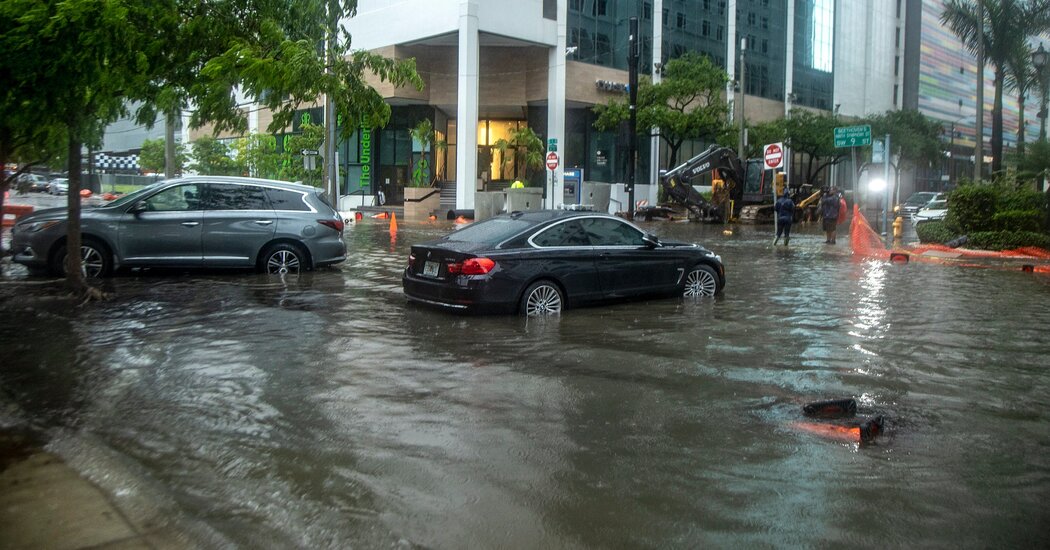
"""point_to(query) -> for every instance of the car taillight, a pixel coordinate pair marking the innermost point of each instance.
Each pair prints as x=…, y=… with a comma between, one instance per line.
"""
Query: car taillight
x=473, y=266
x=334, y=224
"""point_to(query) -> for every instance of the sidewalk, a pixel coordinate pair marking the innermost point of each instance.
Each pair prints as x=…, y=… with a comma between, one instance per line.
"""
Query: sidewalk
x=46, y=504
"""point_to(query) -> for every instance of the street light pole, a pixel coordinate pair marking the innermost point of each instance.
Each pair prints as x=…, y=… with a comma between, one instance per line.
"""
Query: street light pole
x=740, y=101
x=1039, y=59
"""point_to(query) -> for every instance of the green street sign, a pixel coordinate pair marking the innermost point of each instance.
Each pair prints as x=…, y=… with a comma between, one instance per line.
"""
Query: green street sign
x=853, y=136
x=552, y=144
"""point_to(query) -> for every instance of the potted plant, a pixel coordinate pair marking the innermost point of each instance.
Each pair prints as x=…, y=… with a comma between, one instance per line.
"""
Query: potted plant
x=527, y=153
x=421, y=197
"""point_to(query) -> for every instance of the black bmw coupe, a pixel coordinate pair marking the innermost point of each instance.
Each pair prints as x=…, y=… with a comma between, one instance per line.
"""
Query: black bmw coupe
x=537, y=263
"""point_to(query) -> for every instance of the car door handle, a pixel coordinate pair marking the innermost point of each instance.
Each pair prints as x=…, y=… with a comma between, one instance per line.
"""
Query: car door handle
x=264, y=222
x=191, y=224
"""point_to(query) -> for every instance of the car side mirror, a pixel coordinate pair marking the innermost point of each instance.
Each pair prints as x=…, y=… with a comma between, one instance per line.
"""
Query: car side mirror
x=650, y=240
x=137, y=208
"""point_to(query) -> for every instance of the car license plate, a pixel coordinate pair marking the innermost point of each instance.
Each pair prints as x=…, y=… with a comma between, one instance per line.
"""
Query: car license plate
x=430, y=269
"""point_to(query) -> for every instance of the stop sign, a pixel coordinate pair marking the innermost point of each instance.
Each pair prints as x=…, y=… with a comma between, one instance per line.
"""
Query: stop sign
x=774, y=155
x=552, y=160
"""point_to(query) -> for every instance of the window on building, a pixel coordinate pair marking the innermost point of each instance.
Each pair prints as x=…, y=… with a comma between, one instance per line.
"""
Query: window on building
x=765, y=45
x=751, y=19
x=705, y=28
x=647, y=11
x=720, y=33
x=550, y=9
x=707, y=4
x=897, y=40
x=896, y=65
x=680, y=23
x=765, y=22
x=576, y=5
x=599, y=8
x=603, y=49
x=666, y=13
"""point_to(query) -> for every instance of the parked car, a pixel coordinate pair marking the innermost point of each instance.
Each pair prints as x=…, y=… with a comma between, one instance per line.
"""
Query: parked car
x=58, y=186
x=199, y=221
x=934, y=210
x=537, y=263
x=916, y=201
x=36, y=182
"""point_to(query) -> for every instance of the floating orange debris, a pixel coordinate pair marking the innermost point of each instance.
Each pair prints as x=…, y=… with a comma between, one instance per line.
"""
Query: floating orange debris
x=381, y=215
x=830, y=431
x=461, y=219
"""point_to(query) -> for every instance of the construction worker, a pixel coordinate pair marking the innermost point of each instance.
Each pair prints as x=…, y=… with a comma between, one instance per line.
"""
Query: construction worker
x=829, y=211
x=785, y=212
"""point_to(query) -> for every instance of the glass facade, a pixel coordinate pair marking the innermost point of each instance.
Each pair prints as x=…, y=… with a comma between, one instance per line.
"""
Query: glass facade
x=813, y=82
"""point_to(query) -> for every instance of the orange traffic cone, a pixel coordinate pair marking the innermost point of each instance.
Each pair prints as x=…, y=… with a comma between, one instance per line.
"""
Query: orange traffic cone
x=393, y=224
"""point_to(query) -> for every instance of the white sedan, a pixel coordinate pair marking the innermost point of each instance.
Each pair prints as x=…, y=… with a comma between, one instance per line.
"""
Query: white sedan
x=934, y=210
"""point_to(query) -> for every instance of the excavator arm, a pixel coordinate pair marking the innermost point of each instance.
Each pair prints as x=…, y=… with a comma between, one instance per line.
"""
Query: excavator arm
x=677, y=182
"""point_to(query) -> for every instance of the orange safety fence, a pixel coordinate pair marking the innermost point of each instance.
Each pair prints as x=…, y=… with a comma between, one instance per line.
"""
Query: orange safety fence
x=867, y=243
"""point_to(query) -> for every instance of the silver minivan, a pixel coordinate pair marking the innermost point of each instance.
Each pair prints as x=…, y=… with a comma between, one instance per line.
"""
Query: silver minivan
x=197, y=221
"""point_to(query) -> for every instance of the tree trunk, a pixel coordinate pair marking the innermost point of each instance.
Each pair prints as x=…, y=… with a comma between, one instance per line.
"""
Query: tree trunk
x=169, y=145
x=74, y=275
x=997, y=123
x=1020, y=122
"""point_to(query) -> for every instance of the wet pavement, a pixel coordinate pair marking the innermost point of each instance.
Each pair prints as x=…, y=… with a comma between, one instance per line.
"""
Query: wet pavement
x=326, y=411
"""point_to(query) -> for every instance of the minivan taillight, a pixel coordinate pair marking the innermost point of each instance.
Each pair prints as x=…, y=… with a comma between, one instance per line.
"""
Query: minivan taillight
x=334, y=224
x=473, y=266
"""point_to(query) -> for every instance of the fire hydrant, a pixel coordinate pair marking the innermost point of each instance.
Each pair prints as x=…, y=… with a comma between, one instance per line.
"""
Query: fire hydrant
x=898, y=228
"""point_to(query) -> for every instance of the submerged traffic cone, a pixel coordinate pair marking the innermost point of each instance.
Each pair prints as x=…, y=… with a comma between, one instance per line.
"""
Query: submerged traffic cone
x=393, y=224
x=870, y=428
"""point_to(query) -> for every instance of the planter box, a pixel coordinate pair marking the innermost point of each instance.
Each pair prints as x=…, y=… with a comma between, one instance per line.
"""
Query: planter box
x=421, y=202
x=487, y=204
x=528, y=198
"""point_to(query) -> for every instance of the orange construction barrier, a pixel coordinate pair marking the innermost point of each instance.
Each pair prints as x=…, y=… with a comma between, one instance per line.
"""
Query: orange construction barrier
x=16, y=210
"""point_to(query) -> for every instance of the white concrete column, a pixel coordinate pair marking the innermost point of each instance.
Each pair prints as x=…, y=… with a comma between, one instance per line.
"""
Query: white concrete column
x=467, y=105
x=654, y=147
x=556, y=107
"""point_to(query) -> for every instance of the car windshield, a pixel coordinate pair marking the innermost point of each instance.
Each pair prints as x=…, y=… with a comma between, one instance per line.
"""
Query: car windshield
x=937, y=205
x=919, y=199
x=132, y=197
x=490, y=231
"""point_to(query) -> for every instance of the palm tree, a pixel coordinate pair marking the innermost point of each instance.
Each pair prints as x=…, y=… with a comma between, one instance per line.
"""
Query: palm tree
x=1021, y=78
x=1007, y=25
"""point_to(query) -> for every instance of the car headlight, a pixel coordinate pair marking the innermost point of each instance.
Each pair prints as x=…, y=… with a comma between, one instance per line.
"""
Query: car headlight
x=38, y=226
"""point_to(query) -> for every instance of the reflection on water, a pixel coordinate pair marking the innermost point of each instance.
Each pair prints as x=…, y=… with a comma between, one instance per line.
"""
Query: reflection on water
x=325, y=411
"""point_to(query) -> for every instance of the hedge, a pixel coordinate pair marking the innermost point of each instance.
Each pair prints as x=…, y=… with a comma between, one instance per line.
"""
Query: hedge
x=1006, y=240
x=936, y=231
x=1020, y=220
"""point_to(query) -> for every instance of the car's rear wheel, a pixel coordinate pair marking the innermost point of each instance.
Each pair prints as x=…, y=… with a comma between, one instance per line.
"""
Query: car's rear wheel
x=541, y=298
x=700, y=281
x=95, y=260
x=283, y=259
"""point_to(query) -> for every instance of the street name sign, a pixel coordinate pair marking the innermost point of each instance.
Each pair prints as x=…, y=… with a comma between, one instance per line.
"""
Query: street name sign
x=310, y=152
x=853, y=136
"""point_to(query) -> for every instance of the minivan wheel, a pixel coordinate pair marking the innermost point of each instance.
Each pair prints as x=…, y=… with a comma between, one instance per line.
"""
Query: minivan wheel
x=700, y=281
x=95, y=260
x=283, y=259
x=541, y=298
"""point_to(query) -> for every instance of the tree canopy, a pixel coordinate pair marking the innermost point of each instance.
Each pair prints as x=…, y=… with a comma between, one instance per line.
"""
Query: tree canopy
x=686, y=104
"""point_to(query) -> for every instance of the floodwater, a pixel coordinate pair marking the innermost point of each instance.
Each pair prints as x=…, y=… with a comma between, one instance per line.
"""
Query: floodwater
x=326, y=411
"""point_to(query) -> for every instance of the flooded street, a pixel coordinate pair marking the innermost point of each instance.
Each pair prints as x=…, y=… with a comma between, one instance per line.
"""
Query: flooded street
x=326, y=411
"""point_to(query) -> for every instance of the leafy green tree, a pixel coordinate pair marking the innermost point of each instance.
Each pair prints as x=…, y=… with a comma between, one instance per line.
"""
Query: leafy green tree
x=152, y=156
x=257, y=155
x=212, y=157
x=913, y=136
x=1006, y=26
x=526, y=151
x=814, y=135
x=687, y=104
x=311, y=136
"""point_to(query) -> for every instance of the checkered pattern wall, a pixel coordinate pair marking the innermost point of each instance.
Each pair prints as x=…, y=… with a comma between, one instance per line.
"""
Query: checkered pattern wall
x=117, y=162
